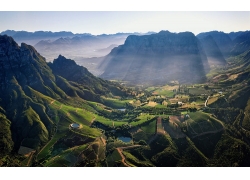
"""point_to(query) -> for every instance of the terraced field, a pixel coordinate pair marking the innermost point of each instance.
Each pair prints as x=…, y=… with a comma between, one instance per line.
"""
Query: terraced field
x=142, y=118
x=64, y=115
x=145, y=131
x=201, y=123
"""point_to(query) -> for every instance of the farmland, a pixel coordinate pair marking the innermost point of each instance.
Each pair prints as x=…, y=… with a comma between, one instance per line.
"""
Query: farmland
x=169, y=114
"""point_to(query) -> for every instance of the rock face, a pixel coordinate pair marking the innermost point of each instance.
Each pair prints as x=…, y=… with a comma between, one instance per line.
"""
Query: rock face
x=222, y=39
x=23, y=69
x=214, y=55
x=234, y=35
x=241, y=43
x=157, y=59
x=24, y=64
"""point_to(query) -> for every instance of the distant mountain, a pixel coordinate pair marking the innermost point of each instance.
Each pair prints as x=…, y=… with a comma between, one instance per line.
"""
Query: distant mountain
x=64, y=41
x=79, y=46
x=156, y=59
x=222, y=39
x=32, y=38
x=213, y=52
x=39, y=34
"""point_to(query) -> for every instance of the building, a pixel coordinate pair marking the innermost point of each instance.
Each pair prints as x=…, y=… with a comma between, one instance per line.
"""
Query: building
x=75, y=126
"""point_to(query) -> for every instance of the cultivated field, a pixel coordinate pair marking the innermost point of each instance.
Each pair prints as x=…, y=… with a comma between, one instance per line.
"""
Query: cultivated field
x=201, y=123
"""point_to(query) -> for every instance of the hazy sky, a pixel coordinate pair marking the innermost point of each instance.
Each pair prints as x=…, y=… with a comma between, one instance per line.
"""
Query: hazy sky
x=109, y=22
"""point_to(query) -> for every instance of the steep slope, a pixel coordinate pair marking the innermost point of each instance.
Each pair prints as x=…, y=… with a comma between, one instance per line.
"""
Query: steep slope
x=22, y=69
x=222, y=39
x=213, y=52
x=234, y=35
x=241, y=43
x=80, y=77
x=157, y=59
x=28, y=85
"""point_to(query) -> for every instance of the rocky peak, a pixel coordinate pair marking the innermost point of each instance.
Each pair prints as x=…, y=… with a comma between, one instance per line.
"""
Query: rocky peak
x=164, y=32
x=67, y=68
x=22, y=63
x=163, y=42
x=7, y=44
x=62, y=61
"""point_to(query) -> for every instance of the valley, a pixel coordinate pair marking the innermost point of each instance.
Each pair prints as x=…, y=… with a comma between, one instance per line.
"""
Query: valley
x=58, y=114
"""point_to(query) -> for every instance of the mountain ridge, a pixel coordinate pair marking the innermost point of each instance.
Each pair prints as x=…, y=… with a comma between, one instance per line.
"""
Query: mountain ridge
x=133, y=58
x=28, y=85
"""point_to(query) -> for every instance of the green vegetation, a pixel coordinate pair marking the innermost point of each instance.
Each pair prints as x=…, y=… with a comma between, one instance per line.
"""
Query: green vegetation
x=142, y=118
x=149, y=128
x=202, y=123
x=236, y=155
x=38, y=106
x=162, y=92
x=6, y=143
x=136, y=162
x=109, y=122
x=115, y=103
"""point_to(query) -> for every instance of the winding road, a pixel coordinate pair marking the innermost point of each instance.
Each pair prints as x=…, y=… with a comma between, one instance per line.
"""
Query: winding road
x=120, y=149
x=207, y=101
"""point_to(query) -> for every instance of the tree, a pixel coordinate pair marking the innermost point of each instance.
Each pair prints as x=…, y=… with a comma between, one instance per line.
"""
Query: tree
x=142, y=142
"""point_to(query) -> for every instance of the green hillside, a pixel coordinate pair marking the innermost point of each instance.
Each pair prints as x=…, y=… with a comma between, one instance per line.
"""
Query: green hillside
x=58, y=114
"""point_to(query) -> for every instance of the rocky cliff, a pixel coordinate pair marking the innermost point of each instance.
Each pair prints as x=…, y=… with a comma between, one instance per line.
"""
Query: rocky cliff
x=241, y=43
x=157, y=59
x=222, y=40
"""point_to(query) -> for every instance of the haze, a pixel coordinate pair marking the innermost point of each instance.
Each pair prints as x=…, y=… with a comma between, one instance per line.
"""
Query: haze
x=110, y=22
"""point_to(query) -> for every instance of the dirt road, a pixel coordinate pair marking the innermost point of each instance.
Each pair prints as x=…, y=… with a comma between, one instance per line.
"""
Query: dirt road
x=207, y=101
x=120, y=149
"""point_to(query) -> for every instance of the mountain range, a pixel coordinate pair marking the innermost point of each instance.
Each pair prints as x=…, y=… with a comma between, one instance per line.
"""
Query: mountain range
x=29, y=85
x=165, y=56
x=157, y=59
x=72, y=45
x=39, y=100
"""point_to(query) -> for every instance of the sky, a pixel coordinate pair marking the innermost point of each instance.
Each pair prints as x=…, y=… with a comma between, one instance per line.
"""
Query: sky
x=98, y=21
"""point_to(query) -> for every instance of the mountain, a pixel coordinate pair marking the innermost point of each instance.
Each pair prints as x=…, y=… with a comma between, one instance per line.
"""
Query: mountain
x=29, y=85
x=213, y=52
x=59, y=114
x=241, y=43
x=234, y=35
x=80, y=46
x=23, y=71
x=157, y=59
x=24, y=35
x=222, y=39
x=33, y=37
x=91, y=87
